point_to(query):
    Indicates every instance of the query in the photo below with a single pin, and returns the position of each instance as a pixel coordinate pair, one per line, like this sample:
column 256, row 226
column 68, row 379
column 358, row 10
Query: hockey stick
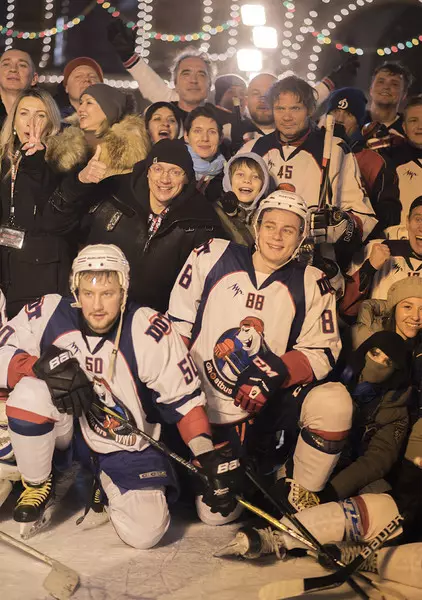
column 297, row 587
column 325, row 191
column 166, row 451
column 61, row 582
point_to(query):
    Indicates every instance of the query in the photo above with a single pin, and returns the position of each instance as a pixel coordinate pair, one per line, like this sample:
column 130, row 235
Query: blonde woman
column 35, row 254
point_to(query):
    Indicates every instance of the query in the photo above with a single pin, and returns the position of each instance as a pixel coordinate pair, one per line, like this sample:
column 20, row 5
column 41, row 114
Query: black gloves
column 225, row 479
column 70, row 388
column 122, row 38
column 229, row 203
column 344, row 73
column 260, row 380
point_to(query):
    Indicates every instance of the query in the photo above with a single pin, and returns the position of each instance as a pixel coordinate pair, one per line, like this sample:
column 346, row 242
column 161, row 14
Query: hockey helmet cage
column 100, row 257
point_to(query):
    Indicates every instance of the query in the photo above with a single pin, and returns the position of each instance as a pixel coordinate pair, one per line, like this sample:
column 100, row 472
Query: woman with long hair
column 34, row 249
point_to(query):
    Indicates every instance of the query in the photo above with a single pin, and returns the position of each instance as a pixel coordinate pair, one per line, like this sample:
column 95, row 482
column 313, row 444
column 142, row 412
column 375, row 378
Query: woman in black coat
column 35, row 250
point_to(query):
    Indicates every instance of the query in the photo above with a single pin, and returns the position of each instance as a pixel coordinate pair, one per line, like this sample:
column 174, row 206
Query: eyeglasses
column 173, row 173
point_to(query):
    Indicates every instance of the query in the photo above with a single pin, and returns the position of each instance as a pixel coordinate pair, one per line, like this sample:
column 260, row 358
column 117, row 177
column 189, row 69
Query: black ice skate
column 34, row 508
column 348, row 551
column 251, row 543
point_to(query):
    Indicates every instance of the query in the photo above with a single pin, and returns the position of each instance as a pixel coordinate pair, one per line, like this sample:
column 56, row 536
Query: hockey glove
column 230, row 203
column 344, row 72
column 225, row 479
column 70, row 388
column 332, row 225
column 122, row 38
column 259, row 381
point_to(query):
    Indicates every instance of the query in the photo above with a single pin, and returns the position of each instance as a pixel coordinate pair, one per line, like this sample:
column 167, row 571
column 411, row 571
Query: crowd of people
column 204, row 273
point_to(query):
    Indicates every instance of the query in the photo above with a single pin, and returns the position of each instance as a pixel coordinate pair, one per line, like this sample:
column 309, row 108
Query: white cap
column 100, row 257
column 284, row 200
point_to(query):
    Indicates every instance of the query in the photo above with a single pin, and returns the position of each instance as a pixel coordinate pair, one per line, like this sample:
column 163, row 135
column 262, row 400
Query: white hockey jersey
column 402, row 263
column 229, row 318
column 408, row 163
column 154, row 377
column 299, row 167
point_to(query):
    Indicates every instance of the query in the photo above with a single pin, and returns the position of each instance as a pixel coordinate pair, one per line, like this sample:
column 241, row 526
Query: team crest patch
column 107, row 426
column 234, row 350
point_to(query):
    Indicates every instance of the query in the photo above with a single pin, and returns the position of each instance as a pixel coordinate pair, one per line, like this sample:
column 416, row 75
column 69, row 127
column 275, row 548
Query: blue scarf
column 204, row 168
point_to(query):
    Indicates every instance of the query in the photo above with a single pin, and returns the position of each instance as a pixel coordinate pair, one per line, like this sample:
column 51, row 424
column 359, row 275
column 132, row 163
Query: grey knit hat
column 410, row 287
column 114, row 103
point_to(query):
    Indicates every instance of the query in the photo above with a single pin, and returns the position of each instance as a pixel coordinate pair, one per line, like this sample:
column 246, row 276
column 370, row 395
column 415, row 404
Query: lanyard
column 13, row 174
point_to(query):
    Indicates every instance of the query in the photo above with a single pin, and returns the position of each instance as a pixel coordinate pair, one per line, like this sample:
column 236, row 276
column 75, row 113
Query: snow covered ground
column 182, row 567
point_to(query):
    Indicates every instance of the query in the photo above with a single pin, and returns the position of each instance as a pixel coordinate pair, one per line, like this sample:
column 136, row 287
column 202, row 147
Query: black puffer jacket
column 117, row 212
column 42, row 265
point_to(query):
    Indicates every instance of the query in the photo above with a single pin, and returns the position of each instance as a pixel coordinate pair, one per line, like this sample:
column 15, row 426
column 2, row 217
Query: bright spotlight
column 253, row 14
column 265, row 37
column 249, row 59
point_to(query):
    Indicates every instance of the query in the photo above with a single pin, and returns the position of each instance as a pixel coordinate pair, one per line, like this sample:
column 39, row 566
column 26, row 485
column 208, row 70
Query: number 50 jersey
column 230, row 318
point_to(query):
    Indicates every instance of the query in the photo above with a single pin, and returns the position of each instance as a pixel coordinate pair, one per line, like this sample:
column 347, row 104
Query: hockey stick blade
column 61, row 582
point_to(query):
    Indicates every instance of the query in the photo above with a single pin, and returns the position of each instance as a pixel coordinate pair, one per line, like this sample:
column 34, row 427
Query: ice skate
column 345, row 552
column 95, row 513
column 299, row 497
column 34, row 508
column 252, row 543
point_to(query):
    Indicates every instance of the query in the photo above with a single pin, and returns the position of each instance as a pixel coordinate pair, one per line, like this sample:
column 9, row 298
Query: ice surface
column 180, row 568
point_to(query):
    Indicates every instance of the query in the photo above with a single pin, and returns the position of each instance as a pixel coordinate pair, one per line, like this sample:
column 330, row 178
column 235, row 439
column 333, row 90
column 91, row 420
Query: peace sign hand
column 34, row 142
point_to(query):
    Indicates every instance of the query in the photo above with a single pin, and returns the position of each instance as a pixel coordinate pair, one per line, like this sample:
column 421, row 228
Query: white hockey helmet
column 284, row 200
column 100, row 257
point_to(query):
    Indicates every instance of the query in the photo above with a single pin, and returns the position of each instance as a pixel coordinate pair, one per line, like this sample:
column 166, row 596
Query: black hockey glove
column 122, row 38
column 225, row 479
column 342, row 74
column 229, row 203
column 70, row 388
column 332, row 225
column 259, row 381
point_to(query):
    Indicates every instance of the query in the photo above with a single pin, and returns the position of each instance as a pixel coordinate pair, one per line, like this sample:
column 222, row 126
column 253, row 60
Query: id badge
column 11, row 237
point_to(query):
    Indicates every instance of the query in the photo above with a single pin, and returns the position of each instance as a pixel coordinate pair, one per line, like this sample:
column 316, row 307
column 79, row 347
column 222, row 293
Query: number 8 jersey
column 231, row 314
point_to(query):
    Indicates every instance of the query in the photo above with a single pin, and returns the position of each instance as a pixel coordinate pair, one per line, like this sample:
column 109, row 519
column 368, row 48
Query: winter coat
column 380, row 423
column 42, row 265
column 116, row 211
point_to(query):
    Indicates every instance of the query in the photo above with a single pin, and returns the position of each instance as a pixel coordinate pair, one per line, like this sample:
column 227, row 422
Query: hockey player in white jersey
column 95, row 352
column 8, row 469
column 262, row 330
column 382, row 262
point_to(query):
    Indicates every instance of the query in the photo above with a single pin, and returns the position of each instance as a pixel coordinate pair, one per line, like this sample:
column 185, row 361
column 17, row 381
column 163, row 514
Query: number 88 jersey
column 231, row 314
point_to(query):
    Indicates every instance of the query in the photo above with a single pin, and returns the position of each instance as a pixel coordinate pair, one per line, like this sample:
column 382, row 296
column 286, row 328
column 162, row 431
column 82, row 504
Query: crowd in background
column 188, row 170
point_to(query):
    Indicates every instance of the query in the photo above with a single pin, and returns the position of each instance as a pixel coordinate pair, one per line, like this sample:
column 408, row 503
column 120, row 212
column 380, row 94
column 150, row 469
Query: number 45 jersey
column 230, row 318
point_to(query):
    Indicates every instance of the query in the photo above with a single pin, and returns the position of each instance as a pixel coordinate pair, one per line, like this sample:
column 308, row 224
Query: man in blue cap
column 348, row 106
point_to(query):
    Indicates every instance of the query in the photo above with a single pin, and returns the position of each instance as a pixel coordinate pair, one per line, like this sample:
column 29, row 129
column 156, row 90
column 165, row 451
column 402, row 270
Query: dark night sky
column 382, row 22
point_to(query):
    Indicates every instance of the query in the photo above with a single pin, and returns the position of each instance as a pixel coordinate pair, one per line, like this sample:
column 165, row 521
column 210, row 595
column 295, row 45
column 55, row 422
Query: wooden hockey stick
column 304, row 536
column 61, row 582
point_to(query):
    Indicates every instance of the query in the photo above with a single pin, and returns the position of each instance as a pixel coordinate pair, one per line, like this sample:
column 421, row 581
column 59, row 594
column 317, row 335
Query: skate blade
column 29, row 530
column 93, row 520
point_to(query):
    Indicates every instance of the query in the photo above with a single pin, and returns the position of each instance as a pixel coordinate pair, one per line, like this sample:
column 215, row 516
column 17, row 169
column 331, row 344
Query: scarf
column 206, row 168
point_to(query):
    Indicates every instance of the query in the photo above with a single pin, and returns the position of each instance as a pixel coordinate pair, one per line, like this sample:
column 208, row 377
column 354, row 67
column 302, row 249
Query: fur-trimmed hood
column 122, row 146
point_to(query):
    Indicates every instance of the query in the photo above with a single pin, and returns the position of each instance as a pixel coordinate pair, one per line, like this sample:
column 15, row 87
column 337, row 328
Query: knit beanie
column 113, row 103
column 416, row 202
column 410, row 287
column 78, row 62
column 351, row 99
column 224, row 82
column 152, row 108
column 173, row 152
